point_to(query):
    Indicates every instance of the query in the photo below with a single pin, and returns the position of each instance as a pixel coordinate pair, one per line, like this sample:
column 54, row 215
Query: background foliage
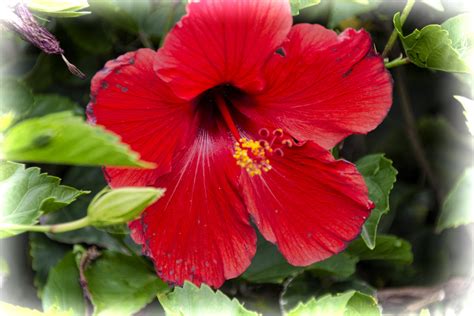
column 417, row 165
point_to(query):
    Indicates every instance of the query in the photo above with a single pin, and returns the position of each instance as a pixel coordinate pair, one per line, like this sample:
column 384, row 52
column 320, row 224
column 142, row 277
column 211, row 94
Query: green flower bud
column 122, row 205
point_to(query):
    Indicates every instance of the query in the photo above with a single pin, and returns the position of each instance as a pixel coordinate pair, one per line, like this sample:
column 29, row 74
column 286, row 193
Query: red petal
column 310, row 205
column 222, row 41
column 129, row 99
column 199, row 231
column 326, row 87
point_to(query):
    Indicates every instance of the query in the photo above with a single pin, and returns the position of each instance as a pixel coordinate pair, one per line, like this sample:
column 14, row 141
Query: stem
column 56, row 228
column 397, row 62
column 394, row 35
column 413, row 136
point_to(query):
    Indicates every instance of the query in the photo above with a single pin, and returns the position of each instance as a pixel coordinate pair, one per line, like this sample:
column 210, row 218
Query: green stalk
column 56, row 228
column 397, row 62
column 394, row 35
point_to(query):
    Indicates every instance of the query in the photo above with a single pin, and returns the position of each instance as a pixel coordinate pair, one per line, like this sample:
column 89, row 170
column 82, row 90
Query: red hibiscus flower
column 239, row 110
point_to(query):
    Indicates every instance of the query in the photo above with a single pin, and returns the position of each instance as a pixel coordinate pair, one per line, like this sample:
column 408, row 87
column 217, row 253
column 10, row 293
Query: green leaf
column 461, row 33
column 297, row 5
column 269, row 266
column 15, row 99
column 190, row 300
column 121, row 205
column 52, row 103
column 345, row 9
column 458, row 206
column 435, row 46
column 26, row 194
column 63, row 290
column 61, row 9
column 112, row 12
column 45, row 254
column 345, row 304
column 120, row 284
column 63, row 138
column 390, row 248
column 380, row 176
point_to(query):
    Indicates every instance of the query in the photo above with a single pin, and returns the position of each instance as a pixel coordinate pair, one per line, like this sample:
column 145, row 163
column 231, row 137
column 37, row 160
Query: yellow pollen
column 251, row 156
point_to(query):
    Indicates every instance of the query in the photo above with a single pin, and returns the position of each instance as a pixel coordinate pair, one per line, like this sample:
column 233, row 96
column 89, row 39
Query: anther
column 287, row 142
column 278, row 132
column 263, row 132
column 279, row 152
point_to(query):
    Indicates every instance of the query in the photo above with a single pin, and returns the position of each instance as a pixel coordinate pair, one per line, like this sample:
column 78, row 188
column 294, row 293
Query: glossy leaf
column 191, row 300
column 297, row 5
column 269, row 266
column 27, row 193
column 434, row 46
column 63, row 290
column 390, row 248
column 345, row 304
column 120, row 284
column 63, row 138
column 380, row 176
column 45, row 254
column 121, row 205
column 458, row 206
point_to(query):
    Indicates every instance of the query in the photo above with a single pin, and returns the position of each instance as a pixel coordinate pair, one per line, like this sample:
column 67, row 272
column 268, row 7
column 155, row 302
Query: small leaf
column 436, row 47
column 121, row 285
column 345, row 304
column 388, row 247
column 297, row 5
column 45, row 254
column 9, row 309
column 66, row 139
column 191, row 300
column 52, row 103
column 380, row 176
column 121, row 205
column 63, row 290
column 16, row 99
column 26, row 194
column 458, row 206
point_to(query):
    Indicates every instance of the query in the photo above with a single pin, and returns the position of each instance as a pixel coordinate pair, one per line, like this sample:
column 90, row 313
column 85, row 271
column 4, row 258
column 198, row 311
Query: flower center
column 253, row 155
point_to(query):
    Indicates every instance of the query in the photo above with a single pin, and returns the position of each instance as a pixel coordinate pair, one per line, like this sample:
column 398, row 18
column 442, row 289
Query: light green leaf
column 458, row 206
column 45, row 254
column 59, row 8
column 390, row 248
column 15, row 99
column 380, row 176
column 63, row 290
column 437, row 47
column 269, row 266
column 345, row 9
column 52, row 103
column 63, row 138
column 26, row 194
column 121, row 205
column 121, row 285
column 297, row 5
column 190, row 300
column 461, row 34
column 345, row 304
